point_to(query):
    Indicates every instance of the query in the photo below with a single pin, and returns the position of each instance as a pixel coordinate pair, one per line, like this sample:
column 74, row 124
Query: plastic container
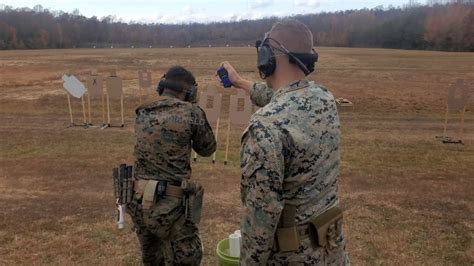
column 222, row 252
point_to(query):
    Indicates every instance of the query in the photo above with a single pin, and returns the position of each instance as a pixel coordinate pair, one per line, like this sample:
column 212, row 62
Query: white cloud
column 261, row 3
column 306, row 3
column 188, row 9
column 245, row 15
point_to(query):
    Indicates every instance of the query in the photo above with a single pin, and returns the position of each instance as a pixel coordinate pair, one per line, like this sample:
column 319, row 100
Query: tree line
column 437, row 26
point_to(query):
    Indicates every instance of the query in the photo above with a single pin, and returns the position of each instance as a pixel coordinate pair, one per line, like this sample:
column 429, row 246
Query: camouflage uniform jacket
column 166, row 130
column 289, row 155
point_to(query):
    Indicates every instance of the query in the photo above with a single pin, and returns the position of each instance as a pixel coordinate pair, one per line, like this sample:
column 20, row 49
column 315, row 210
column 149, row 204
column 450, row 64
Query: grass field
column 408, row 199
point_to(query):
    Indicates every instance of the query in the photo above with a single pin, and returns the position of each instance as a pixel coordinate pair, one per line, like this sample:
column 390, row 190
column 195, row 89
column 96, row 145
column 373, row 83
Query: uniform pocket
column 163, row 215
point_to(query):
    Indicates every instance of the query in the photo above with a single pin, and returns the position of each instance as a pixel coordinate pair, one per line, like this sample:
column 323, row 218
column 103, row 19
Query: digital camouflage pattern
column 290, row 154
column 166, row 131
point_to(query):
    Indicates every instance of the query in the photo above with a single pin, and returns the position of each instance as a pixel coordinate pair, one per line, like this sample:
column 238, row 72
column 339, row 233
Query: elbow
column 207, row 151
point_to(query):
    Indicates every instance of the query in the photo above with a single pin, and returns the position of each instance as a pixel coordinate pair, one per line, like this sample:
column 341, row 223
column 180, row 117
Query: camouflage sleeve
column 204, row 142
column 262, row 166
column 260, row 94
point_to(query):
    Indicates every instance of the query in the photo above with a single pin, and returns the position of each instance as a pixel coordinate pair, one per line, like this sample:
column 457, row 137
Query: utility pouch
column 194, row 196
column 149, row 194
column 320, row 224
column 123, row 184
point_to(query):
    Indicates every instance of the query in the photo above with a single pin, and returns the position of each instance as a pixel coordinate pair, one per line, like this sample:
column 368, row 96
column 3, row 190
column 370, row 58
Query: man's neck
column 172, row 94
column 283, row 81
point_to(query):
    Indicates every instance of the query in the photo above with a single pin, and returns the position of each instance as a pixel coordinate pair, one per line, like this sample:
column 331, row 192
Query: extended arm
column 260, row 93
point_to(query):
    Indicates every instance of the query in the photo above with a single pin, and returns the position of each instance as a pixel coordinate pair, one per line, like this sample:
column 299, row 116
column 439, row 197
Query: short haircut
column 294, row 35
column 180, row 74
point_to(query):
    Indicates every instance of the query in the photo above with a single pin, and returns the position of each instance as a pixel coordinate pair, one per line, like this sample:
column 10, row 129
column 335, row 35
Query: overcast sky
column 178, row 11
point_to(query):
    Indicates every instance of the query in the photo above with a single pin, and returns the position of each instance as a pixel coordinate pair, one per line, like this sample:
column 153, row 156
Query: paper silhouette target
column 240, row 108
column 211, row 103
column 144, row 79
column 114, row 86
column 95, row 90
column 114, row 91
column 458, row 96
column 73, row 86
column 95, row 85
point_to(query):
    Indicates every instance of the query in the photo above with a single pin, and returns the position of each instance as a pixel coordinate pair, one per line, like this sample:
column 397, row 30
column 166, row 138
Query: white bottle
column 234, row 245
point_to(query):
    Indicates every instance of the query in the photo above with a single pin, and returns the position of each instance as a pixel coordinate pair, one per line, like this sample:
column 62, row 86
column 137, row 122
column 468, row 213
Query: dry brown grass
column 408, row 198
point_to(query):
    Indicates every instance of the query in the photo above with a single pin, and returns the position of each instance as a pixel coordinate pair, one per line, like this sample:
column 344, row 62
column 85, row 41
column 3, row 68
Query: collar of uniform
column 295, row 85
column 168, row 95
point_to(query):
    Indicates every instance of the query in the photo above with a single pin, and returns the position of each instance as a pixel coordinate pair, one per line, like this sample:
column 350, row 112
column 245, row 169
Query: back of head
column 180, row 75
column 293, row 35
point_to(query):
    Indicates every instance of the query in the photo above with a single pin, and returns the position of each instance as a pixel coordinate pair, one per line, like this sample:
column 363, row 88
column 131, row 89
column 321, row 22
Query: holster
column 288, row 235
column 319, row 226
column 193, row 200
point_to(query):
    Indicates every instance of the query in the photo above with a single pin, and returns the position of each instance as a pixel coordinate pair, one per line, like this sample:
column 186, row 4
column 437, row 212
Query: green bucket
column 222, row 252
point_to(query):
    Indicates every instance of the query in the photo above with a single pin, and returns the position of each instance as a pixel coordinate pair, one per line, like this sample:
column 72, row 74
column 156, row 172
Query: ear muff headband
column 179, row 87
column 266, row 62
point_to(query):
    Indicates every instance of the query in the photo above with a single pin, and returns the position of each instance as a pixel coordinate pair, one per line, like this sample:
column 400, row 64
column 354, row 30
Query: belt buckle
column 161, row 188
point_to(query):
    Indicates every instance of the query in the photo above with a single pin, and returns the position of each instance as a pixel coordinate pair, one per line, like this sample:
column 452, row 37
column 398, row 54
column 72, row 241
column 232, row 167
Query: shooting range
column 95, row 93
column 458, row 97
column 144, row 82
column 76, row 89
column 114, row 93
column 407, row 197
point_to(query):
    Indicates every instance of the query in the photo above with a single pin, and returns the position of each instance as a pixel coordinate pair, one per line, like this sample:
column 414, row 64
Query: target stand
column 75, row 88
column 455, row 104
column 114, row 90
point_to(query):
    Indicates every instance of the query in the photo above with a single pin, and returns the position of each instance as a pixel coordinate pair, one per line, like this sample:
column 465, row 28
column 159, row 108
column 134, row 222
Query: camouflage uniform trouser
column 166, row 237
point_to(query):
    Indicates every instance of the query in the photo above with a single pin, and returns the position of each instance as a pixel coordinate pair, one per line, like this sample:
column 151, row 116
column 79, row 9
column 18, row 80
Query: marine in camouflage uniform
column 290, row 155
column 166, row 132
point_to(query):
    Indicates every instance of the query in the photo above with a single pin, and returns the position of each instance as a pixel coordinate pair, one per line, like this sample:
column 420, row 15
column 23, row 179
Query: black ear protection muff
column 191, row 92
column 266, row 61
